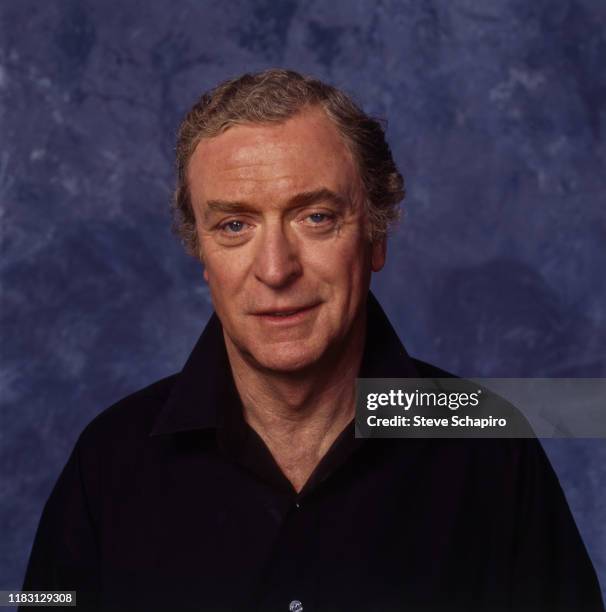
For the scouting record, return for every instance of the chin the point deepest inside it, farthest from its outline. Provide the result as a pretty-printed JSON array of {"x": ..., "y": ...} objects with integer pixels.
[{"x": 286, "y": 359}]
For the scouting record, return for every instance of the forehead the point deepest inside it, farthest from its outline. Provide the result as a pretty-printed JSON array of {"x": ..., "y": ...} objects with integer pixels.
[{"x": 247, "y": 161}]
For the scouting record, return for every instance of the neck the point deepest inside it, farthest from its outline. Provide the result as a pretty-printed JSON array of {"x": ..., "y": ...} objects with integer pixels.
[{"x": 300, "y": 414}]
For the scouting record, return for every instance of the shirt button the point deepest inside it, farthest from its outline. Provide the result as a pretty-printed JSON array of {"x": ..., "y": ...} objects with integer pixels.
[
  {"x": 297, "y": 505},
  {"x": 295, "y": 606}
]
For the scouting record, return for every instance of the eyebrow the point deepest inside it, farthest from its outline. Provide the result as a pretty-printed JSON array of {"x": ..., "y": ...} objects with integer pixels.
[{"x": 305, "y": 198}]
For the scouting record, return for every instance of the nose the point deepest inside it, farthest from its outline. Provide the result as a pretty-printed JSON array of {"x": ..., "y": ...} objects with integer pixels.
[{"x": 277, "y": 262}]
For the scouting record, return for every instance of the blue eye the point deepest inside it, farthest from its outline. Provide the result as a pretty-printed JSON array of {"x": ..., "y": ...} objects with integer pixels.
[
  {"x": 233, "y": 227},
  {"x": 318, "y": 217}
]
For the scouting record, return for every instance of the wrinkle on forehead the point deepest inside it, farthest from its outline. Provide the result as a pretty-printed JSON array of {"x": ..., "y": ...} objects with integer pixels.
[
  {"x": 304, "y": 152},
  {"x": 251, "y": 144}
]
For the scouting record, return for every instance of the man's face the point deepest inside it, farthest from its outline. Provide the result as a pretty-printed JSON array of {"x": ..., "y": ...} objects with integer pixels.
[{"x": 280, "y": 217}]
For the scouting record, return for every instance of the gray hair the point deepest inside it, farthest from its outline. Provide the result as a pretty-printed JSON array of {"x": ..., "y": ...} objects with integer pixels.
[{"x": 276, "y": 95}]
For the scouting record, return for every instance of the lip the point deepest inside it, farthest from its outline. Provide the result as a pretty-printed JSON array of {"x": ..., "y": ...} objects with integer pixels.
[{"x": 277, "y": 316}]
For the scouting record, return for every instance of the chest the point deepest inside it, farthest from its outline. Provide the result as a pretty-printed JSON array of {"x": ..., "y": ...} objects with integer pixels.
[{"x": 209, "y": 529}]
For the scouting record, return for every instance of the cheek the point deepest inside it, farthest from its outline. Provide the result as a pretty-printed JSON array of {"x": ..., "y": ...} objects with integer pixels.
[
  {"x": 224, "y": 271},
  {"x": 343, "y": 267}
]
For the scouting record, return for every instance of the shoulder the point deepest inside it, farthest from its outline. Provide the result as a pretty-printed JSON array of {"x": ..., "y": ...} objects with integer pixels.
[
  {"x": 492, "y": 403},
  {"x": 428, "y": 370},
  {"x": 130, "y": 418}
]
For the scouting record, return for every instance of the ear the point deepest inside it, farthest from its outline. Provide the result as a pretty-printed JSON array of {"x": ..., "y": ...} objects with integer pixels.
[
  {"x": 378, "y": 254},
  {"x": 201, "y": 260}
]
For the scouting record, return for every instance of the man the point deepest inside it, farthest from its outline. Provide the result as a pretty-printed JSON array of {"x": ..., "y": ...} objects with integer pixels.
[{"x": 238, "y": 484}]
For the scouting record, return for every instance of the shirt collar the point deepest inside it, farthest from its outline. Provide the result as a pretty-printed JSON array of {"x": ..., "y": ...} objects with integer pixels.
[{"x": 206, "y": 384}]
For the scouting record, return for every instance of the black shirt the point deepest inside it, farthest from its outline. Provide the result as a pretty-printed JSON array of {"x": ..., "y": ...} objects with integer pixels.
[{"x": 171, "y": 501}]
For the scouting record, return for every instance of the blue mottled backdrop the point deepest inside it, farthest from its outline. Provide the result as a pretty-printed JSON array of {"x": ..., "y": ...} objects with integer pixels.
[{"x": 496, "y": 114}]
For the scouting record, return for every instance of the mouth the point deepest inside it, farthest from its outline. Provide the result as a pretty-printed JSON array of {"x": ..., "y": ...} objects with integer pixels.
[{"x": 286, "y": 314}]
